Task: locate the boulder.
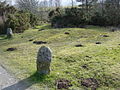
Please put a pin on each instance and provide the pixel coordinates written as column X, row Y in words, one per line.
column 9, row 33
column 44, row 58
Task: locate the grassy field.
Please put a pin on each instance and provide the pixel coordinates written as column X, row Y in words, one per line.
column 98, row 61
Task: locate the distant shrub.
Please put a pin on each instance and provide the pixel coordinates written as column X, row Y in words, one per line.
column 98, row 19
column 17, row 20
column 70, row 17
column 77, row 17
column 21, row 21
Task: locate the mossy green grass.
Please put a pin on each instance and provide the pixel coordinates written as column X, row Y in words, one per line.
column 102, row 60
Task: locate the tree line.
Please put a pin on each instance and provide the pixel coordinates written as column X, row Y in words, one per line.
column 95, row 12
column 27, row 13
column 89, row 12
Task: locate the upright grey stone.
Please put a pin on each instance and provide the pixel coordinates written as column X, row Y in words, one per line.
column 9, row 33
column 44, row 58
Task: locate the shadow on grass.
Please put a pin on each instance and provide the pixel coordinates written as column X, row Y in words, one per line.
column 3, row 37
column 26, row 83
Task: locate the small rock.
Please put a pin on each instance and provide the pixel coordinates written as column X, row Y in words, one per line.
column 66, row 33
column 11, row 49
column 98, row 42
column 39, row 42
column 79, row 45
column 90, row 82
column 63, row 84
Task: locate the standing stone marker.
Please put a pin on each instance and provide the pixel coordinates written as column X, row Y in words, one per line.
column 9, row 33
column 44, row 58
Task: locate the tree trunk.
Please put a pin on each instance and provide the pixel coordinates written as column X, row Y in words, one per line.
column 86, row 5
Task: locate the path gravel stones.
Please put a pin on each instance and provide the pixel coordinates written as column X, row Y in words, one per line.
column 8, row 82
column 5, row 79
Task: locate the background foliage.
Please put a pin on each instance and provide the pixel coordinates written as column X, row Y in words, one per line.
column 17, row 20
column 106, row 13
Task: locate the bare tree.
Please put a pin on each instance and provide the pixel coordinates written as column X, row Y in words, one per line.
column 43, row 9
column 44, row 4
column 57, row 3
column 87, row 3
column 50, row 3
column 72, row 2
column 29, row 5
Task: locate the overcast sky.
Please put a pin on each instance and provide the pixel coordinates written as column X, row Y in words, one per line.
column 64, row 2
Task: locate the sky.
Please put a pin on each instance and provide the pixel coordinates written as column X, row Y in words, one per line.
column 64, row 2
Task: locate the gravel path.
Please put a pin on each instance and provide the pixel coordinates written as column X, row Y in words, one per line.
column 8, row 82
column 5, row 79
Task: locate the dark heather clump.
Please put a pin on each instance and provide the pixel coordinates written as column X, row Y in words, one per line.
column 39, row 42
column 63, row 84
column 11, row 49
column 66, row 33
column 90, row 83
column 98, row 42
column 79, row 45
